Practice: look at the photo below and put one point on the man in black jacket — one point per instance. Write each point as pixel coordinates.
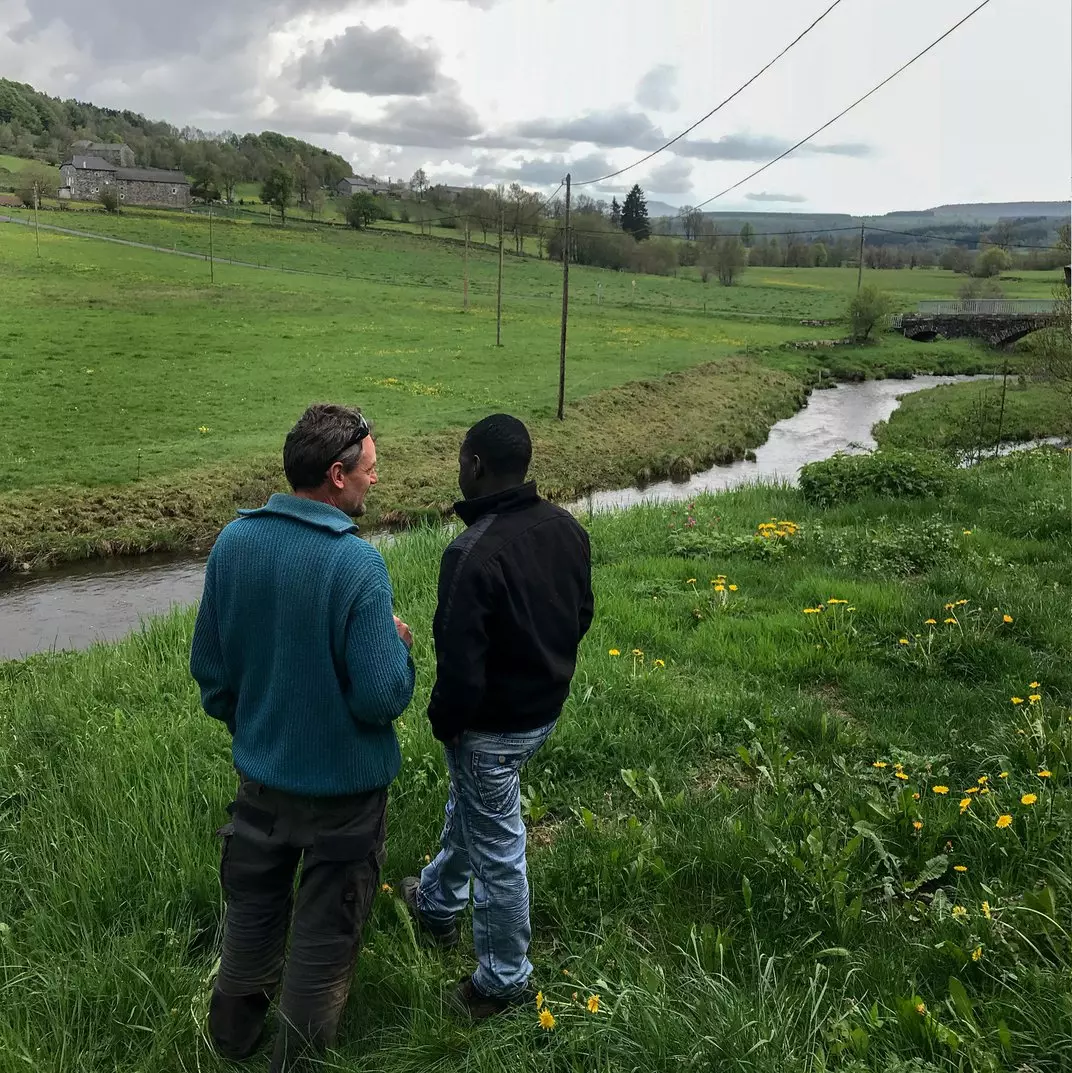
(515, 599)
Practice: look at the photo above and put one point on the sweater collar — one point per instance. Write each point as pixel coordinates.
(310, 511)
(513, 499)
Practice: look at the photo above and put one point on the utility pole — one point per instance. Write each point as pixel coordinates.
(465, 279)
(860, 271)
(498, 296)
(565, 309)
(211, 266)
(37, 223)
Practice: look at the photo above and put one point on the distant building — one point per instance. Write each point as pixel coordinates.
(122, 156)
(1068, 275)
(355, 184)
(88, 173)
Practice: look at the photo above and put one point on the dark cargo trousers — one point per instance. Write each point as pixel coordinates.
(338, 843)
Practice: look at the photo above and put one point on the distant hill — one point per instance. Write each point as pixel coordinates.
(32, 124)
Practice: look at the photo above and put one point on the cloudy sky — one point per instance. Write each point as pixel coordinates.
(501, 90)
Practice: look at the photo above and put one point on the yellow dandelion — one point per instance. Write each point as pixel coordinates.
(1004, 820)
(1033, 685)
(961, 603)
(638, 651)
(539, 999)
(940, 789)
(921, 1009)
(691, 581)
(1003, 775)
(1028, 799)
(950, 621)
(948, 607)
(427, 858)
(1017, 700)
(811, 610)
(959, 911)
(964, 803)
(984, 790)
(967, 532)
(593, 1004)
(1034, 698)
(915, 797)
(720, 588)
(903, 641)
(565, 972)
(386, 888)
(986, 910)
(983, 780)
(960, 867)
(1044, 774)
(977, 953)
(1006, 619)
(879, 763)
(660, 663)
(917, 824)
(733, 588)
(898, 765)
(930, 622)
(613, 652)
(900, 775)
(547, 1020)
(972, 790)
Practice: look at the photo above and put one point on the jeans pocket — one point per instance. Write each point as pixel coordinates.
(498, 783)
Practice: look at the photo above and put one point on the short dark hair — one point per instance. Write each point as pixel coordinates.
(325, 433)
(503, 444)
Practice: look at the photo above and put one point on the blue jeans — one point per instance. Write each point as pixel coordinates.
(483, 840)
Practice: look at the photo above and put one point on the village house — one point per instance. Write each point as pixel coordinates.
(95, 166)
(355, 184)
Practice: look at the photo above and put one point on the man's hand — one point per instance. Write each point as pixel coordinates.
(404, 632)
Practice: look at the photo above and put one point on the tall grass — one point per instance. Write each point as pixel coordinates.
(714, 851)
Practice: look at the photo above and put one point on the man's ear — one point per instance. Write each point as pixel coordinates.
(335, 475)
(478, 466)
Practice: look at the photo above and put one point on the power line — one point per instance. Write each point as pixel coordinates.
(845, 111)
(740, 89)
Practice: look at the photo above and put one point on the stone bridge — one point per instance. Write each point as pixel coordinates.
(999, 321)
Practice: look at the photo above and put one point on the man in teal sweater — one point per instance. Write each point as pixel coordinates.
(297, 650)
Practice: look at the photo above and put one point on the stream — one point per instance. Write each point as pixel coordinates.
(76, 605)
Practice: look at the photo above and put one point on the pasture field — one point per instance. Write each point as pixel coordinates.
(770, 838)
(157, 400)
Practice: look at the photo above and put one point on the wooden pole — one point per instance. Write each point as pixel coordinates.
(860, 271)
(465, 279)
(565, 310)
(211, 266)
(498, 296)
(37, 222)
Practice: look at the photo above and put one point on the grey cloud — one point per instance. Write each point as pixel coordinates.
(656, 89)
(133, 30)
(764, 196)
(758, 147)
(440, 122)
(606, 129)
(377, 62)
(672, 177)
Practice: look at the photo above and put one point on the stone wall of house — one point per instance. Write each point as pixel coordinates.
(148, 192)
(86, 185)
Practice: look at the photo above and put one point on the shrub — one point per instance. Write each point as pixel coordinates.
(866, 309)
(886, 474)
(887, 550)
(361, 210)
(109, 199)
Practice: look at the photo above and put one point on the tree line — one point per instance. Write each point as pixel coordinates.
(35, 125)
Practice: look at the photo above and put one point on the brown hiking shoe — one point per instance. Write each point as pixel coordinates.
(442, 935)
(470, 1002)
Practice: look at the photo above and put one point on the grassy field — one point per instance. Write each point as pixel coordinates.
(769, 840)
(963, 417)
(157, 400)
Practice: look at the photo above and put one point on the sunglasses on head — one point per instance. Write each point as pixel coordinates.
(362, 431)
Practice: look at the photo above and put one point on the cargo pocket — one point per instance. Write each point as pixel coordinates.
(350, 869)
(497, 781)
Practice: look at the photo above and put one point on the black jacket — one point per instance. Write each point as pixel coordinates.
(515, 599)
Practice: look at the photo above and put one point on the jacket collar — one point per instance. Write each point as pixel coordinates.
(310, 511)
(513, 499)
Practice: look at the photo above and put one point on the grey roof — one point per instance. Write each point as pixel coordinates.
(151, 175)
(109, 145)
(90, 163)
(354, 180)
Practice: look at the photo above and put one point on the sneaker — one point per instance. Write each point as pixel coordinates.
(471, 1002)
(442, 935)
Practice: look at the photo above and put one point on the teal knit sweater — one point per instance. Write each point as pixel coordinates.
(295, 650)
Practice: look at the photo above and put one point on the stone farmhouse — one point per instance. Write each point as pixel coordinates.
(354, 184)
(94, 166)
